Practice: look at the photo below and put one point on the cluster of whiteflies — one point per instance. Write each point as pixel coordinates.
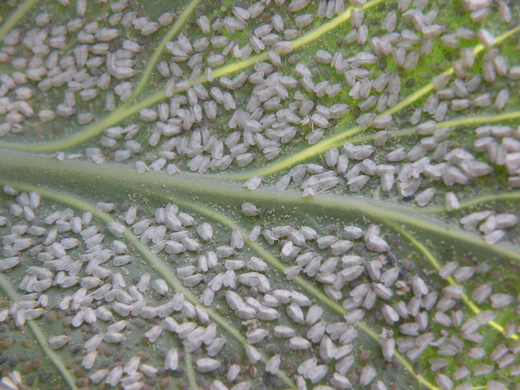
(285, 106)
(42, 62)
(492, 225)
(73, 255)
(92, 286)
(284, 101)
(275, 114)
(451, 167)
(277, 110)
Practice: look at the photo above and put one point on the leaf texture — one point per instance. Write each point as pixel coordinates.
(262, 195)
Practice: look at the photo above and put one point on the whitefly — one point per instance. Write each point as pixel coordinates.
(315, 374)
(57, 342)
(249, 209)
(252, 354)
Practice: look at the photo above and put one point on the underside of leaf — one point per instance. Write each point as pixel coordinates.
(259, 195)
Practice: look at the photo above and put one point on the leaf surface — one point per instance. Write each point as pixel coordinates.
(236, 166)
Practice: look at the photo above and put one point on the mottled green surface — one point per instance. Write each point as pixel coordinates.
(422, 239)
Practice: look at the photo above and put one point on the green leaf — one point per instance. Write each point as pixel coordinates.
(288, 238)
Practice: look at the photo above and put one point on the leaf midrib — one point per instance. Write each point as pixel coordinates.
(40, 170)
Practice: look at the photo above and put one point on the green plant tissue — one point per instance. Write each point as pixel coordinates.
(241, 195)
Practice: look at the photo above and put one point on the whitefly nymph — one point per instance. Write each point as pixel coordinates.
(409, 101)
